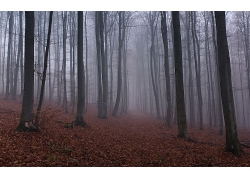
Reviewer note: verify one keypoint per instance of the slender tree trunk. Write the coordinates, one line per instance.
(64, 63)
(11, 20)
(20, 42)
(166, 65)
(39, 107)
(87, 73)
(104, 65)
(99, 64)
(197, 68)
(190, 76)
(80, 74)
(3, 65)
(181, 113)
(121, 40)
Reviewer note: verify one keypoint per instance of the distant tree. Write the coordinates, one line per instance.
(11, 20)
(152, 18)
(100, 51)
(86, 57)
(19, 54)
(181, 112)
(232, 142)
(28, 93)
(80, 74)
(196, 46)
(166, 65)
(121, 37)
(65, 101)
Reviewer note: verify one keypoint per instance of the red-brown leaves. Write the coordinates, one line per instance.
(129, 140)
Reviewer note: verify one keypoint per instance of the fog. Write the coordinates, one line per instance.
(143, 85)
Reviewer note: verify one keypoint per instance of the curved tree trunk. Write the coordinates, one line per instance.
(39, 107)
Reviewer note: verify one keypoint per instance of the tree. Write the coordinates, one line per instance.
(99, 50)
(197, 67)
(80, 74)
(152, 20)
(11, 19)
(217, 77)
(44, 72)
(65, 102)
(28, 93)
(181, 112)
(121, 37)
(232, 142)
(166, 64)
(19, 54)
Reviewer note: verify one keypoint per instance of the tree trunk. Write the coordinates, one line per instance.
(121, 40)
(232, 142)
(11, 19)
(166, 65)
(20, 44)
(80, 74)
(64, 63)
(217, 78)
(181, 112)
(28, 94)
(197, 67)
(39, 107)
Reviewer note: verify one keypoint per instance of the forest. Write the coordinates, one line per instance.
(124, 88)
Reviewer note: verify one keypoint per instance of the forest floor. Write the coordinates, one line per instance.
(133, 139)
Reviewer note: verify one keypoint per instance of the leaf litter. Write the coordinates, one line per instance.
(133, 140)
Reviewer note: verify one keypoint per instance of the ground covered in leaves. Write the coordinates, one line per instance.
(133, 139)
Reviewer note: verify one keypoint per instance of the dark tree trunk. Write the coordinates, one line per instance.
(217, 79)
(28, 94)
(181, 113)
(80, 74)
(232, 142)
(39, 107)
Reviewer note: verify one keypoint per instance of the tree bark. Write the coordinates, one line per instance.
(121, 40)
(11, 20)
(166, 65)
(39, 107)
(181, 112)
(80, 74)
(28, 94)
(232, 142)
